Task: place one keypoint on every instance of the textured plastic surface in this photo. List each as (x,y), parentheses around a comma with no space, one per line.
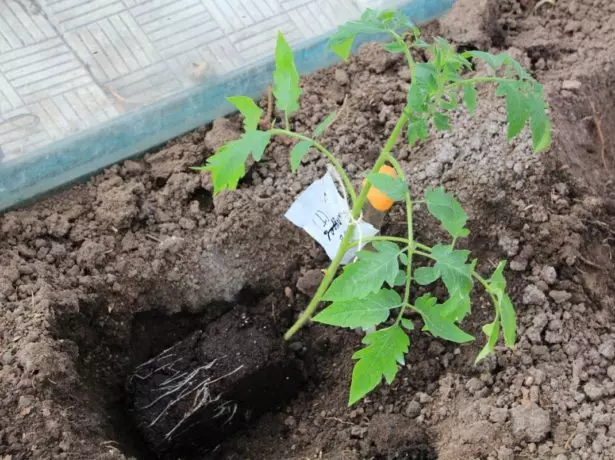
(129,135)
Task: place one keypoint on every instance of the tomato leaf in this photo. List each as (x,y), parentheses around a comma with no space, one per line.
(393,187)
(437,325)
(469,97)
(456,273)
(426,275)
(342,46)
(504,306)
(417,129)
(442,121)
(227,165)
(285,78)
(509,320)
(394,47)
(445,207)
(492,331)
(323,125)
(400,279)
(366,312)
(297,154)
(367,274)
(384,351)
(457,306)
(493,61)
(540,124)
(517,110)
(371,22)
(247,107)
(256,142)
(426,76)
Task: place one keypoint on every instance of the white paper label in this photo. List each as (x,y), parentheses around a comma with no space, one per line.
(322,212)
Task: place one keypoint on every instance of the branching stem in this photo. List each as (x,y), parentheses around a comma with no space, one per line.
(475,81)
(334,161)
(420,249)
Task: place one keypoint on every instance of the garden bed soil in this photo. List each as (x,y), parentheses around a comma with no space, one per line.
(99,279)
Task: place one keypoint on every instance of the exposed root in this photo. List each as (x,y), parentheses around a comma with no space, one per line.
(599,134)
(191,386)
(340,112)
(590,263)
(153,238)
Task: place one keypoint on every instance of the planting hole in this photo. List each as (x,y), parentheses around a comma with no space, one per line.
(178,385)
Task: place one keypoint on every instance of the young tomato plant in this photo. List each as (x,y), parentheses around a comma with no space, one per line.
(366,293)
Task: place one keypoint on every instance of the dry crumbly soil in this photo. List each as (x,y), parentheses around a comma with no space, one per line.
(98,279)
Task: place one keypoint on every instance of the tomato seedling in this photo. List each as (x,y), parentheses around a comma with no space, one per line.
(366,294)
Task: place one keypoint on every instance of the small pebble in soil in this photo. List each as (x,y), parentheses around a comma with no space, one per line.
(341,76)
(413,409)
(548,274)
(571,85)
(607,349)
(498,415)
(290,421)
(560,296)
(308,283)
(510,245)
(518,264)
(474,385)
(579,440)
(404,74)
(533,296)
(506,453)
(357,432)
(593,390)
(7,358)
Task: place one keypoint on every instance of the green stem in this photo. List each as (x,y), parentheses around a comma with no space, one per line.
(346,240)
(318,146)
(324,284)
(482,281)
(409,204)
(410,253)
(409,59)
(286,123)
(382,159)
(396,239)
(476,80)
(393,239)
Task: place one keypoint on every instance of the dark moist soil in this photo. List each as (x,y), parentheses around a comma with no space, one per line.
(97,281)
